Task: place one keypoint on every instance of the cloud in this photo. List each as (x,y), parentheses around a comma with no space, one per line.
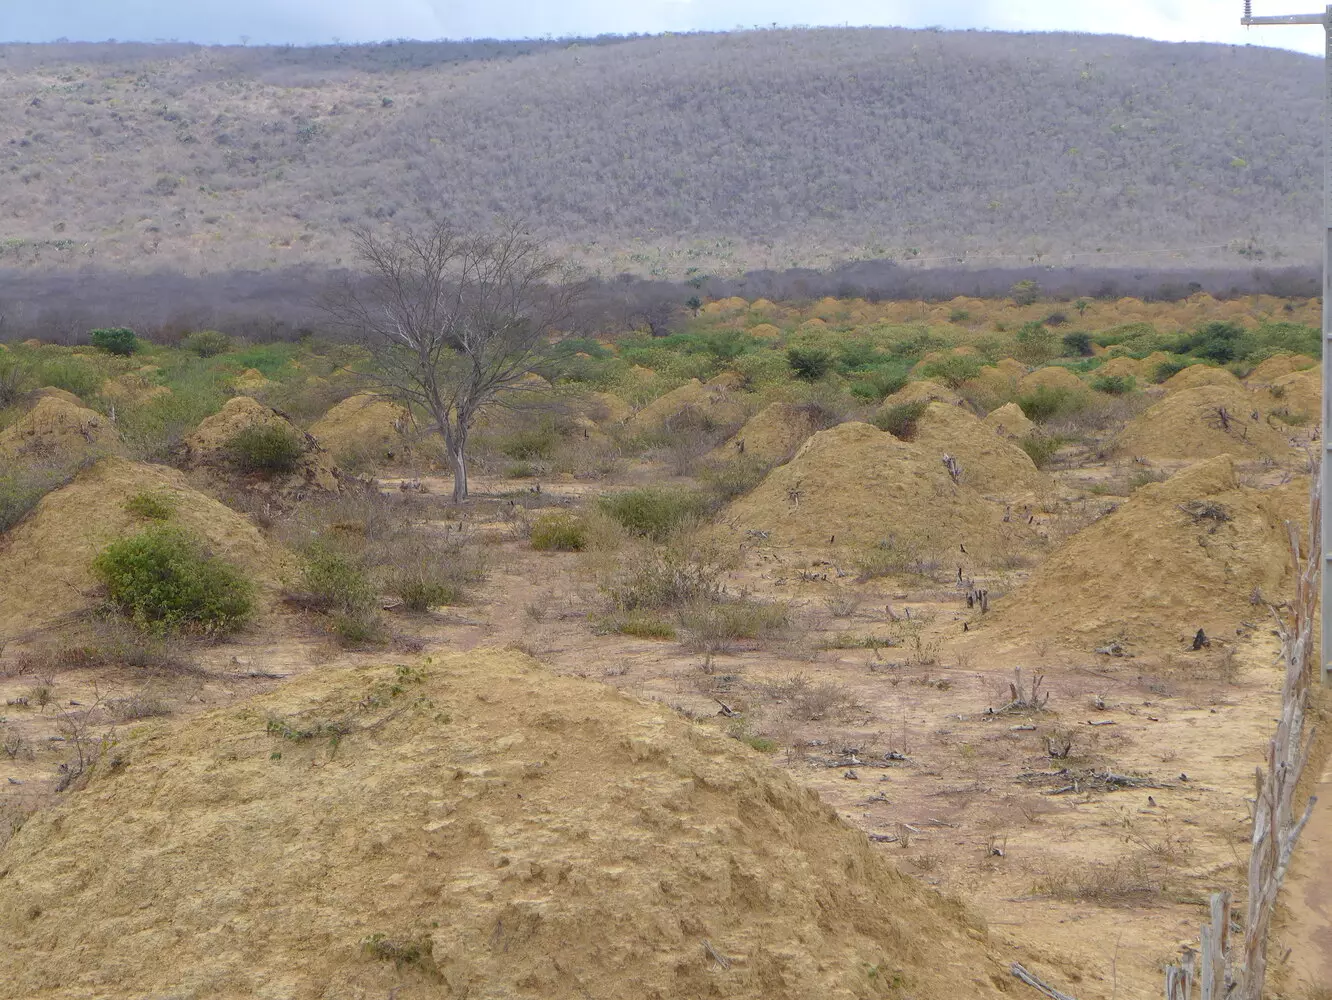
(311,21)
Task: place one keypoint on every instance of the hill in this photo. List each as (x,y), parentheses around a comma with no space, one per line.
(669,155)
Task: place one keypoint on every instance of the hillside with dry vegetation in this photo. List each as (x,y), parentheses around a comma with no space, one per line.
(672,156)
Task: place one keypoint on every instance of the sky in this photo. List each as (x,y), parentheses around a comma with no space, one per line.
(323,21)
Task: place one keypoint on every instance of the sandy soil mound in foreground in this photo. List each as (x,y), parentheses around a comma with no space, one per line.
(1188,424)
(771,435)
(1010,421)
(1177,556)
(714,404)
(44,560)
(58,428)
(209,444)
(1271,369)
(479,827)
(990,464)
(363,424)
(1196,375)
(853,486)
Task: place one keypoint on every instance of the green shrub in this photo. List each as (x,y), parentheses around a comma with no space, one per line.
(879,383)
(164,580)
(14,379)
(1041,448)
(1114,385)
(640,624)
(70,372)
(117,340)
(1078,344)
(762,368)
(207,343)
(1171,368)
(900,420)
(531,443)
(155,506)
(1273,338)
(666,580)
(335,580)
(1025,292)
(715,626)
(426,573)
(1046,402)
(1035,344)
(953,370)
(559,531)
(809,363)
(655,511)
(1217,341)
(266,448)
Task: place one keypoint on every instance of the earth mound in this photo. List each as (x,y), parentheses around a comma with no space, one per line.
(1271,369)
(714,405)
(473,826)
(364,424)
(1009,421)
(44,560)
(251,380)
(989,463)
(209,446)
(1297,393)
(1122,366)
(1196,375)
(1177,556)
(55,427)
(853,486)
(1052,377)
(921,391)
(771,435)
(1203,422)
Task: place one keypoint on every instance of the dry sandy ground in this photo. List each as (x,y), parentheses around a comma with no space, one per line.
(1096,884)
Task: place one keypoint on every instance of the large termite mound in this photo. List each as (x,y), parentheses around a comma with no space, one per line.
(853,487)
(773,434)
(1203,422)
(366,426)
(473,826)
(1196,551)
(692,405)
(987,461)
(45,560)
(58,426)
(210,448)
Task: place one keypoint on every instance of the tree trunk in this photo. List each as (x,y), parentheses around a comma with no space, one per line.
(456,446)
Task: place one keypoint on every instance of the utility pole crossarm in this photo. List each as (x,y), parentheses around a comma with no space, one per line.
(1286,19)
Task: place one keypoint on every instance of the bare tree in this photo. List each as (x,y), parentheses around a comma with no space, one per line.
(455,320)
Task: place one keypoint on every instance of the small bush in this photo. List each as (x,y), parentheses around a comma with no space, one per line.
(115,341)
(655,511)
(165,581)
(715,626)
(336,580)
(809,363)
(953,370)
(1046,402)
(70,372)
(1169,369)
(270,449)
(559,531)
(1035,344)
(1078,345)
(1025,292)
(666,580)
(531,443)
(1041,448)
(155,506)
(207,343)
(735,478)
(1114,385)
(900,420)
(14,380)
(640,624)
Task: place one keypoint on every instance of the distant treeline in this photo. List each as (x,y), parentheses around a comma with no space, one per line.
(62,306)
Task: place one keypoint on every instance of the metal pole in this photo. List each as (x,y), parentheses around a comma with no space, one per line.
(1325,466)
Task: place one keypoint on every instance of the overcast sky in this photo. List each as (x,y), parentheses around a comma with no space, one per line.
(316,21)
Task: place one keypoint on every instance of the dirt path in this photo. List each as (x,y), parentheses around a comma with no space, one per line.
(1308,932)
